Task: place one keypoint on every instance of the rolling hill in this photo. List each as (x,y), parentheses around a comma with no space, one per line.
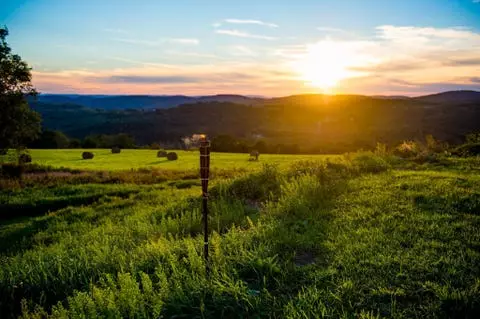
(316,123)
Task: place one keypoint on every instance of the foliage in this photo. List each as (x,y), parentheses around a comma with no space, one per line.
(87,155)
(18,123)
(52,139)
(121,140)
(24,158)
(473,138)
(172,156)
(468,149)
(407,149)
(11,170)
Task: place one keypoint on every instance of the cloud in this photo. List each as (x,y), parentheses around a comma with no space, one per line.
(240,50)
(241,34)
(138,79)
(247,21)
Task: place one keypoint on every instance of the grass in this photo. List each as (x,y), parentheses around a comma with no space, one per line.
(134,159)
(354,237)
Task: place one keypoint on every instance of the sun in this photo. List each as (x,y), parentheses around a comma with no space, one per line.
(326,63)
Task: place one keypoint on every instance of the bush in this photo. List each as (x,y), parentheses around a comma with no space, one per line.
(367,162)
(162,153)
(469,149)
(116,150)
(24,158)
(87,155)
(11,170)
(172,156)
(407,149)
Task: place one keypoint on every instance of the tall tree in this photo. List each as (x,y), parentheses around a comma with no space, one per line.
(18,123)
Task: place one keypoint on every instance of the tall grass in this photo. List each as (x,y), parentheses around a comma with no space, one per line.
(346,238)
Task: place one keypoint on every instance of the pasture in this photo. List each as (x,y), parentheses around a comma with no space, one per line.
(128,159)
(357,236)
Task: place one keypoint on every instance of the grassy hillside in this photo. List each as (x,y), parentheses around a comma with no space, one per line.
(353,236)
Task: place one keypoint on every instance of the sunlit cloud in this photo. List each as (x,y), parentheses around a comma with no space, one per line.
(247,21)
(400,60)
(241,34)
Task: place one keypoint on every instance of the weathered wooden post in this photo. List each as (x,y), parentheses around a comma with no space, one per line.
(204,173)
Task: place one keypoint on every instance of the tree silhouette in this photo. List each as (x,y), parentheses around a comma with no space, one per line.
(18,123)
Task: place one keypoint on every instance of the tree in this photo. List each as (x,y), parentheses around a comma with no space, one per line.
(18,123)
(51,139)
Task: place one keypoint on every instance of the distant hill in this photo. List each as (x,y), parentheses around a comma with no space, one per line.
(122,102)
(317,123)
(458,97)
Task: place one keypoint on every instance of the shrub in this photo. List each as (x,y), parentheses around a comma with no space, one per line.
(172,156)
(116,150)
(155,146)
(24,158)
(367,162)
(162,153)
(407,149)
(11,170)
(87,155)
(469,149)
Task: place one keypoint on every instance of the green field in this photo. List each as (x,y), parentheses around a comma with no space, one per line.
(357,236)
(128,159)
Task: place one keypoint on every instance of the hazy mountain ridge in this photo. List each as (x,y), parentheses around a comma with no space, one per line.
(122,102)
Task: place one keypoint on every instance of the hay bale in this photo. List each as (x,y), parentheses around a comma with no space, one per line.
(162,153)
(172,156)
(24,158)
(116,150)
(87,155)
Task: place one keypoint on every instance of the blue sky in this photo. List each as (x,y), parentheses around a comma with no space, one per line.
(247,47)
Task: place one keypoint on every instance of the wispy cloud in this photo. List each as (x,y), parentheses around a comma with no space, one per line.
(241,50)
(159,79)
(248,21)
(242,34)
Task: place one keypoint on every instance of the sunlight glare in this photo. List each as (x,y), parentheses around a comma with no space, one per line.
(328,62)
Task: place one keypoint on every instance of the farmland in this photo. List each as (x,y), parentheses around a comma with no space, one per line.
(362,235)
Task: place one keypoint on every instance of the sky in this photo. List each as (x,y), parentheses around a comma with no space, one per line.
(250,47)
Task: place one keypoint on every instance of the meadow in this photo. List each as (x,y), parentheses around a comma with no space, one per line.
(128,159)
(357,236)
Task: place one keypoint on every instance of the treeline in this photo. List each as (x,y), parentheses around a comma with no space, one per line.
(56,139)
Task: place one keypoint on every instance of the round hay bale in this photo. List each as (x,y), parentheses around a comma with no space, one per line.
(116,150)
(172,156)
(24,158)
(87,155)
(162,153)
